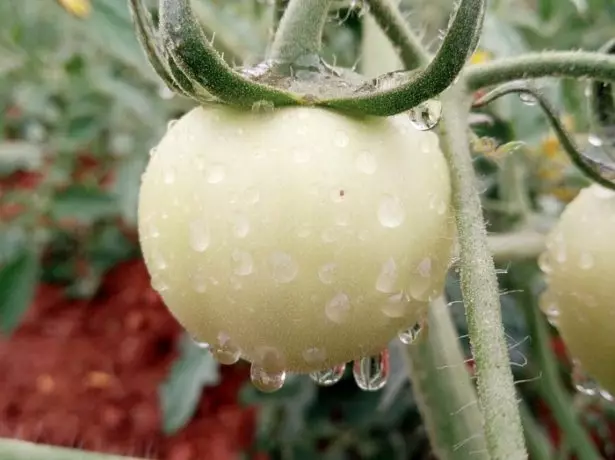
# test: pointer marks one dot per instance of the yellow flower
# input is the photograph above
(480, 57)
(79, 8)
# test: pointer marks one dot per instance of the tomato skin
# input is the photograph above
(298, 233)
(580, 272)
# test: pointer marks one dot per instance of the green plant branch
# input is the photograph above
(566, 141)
(279, 7)
(496, 391)
(550, 386)
(408, 45)
(300, 31)
(428, 83)
(200, 62)
(569, 64)
(443, 389)
(12, 449)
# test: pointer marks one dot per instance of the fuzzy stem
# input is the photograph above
(443, 389)
(518, 245)
(12, 449)
(496, 391)
(389, 18)
(300, 30)
(550, 384)
(570, 64)
(279, 7)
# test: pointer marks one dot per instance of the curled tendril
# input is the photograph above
(602, 103)
(593, 169)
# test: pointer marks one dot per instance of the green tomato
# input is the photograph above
(298, 238)
(580, 271)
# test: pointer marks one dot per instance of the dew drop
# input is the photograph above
(396, 306)
(528, 99)
(171, 123)
(226, 352)
(338, 308)
(388, 277)
(548, 305)
(424, 267)
(544, 263)
(265, 381)
(241, 226)
(263, 106)
(371, 372)
(216, 174)
(168, 176)
(409, 336)
(583, 383)
(198, 281)
(391, 212)
(158, 283)
(201, 345)
(243, 263)
(159, 260)
(366, 162)
(328, 377)
(283, 268)
(314, 355)
(426, 115)
(341, 139)
(301, 155)
(586, 261)
(326, 273)
(199, 235)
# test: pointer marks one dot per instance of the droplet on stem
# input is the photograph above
(426, 115)
(410, 335)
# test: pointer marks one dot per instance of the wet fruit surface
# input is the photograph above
(86, 374)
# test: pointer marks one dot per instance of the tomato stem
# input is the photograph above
(11, 449)
(569, 64)
(422, 85)
(411, 52)
(300, 31)
(442, 386)
(496, 391)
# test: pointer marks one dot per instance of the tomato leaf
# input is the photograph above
(180, 393)
(18, 279)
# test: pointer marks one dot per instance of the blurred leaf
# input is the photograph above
(18, 280)
(181, 392)
(19, 155)
(83, 204)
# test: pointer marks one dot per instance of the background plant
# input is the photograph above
(69, 99)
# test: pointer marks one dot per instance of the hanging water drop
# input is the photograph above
(267, 382)
(371, 372)
(426, 115)
(226, 352)
(328, 377)
(528, 99)
(409, 336)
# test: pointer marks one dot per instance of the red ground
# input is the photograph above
(86, 374)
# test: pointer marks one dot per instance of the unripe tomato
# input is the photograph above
(299, 237)
(580, 271)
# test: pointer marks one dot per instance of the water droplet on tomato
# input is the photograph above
(314, 355)
(338, 308)
(426, 115)
(241, 226)
(528, 99)
(341, 139)
(201, 345)
(265, 381)
(263, 106)
(199, 235)
(328, 377)
(251, 195)
(391, 212)
(396, 306)
(586, 261)
(366, 162)
(410, 335)
(326, 273)
(243, 263)
(198, 281)
(371, 372)
(387, 277)
(216, 174)
(225, 352)
(168, 176)
(283, 268)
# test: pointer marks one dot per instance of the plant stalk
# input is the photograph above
(569, 64)
(409, 47)
(12, 449)
(443, 389)
(300, 31)
(496, 391)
